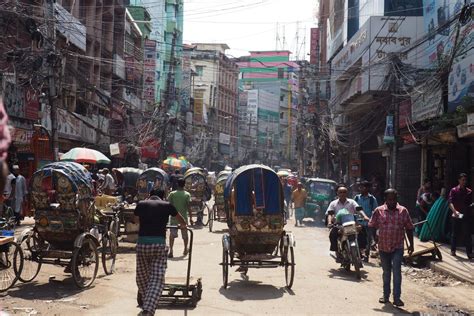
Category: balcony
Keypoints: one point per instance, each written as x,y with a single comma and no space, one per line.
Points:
119,66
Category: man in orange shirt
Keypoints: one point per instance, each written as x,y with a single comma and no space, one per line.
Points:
299,198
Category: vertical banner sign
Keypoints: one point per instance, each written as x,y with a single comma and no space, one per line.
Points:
389,136
149,64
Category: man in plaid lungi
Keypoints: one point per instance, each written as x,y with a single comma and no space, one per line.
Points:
152,251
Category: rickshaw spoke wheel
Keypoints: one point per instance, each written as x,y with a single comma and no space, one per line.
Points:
289,254
212,216
109,252
205,213
85,263
32,260
225,268
11,264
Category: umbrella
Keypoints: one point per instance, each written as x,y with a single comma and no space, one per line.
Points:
283,173
175,163
85,155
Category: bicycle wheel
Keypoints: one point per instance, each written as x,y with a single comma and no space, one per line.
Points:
109,252
85,263
11,265
32,261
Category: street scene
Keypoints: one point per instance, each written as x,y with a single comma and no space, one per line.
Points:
236,157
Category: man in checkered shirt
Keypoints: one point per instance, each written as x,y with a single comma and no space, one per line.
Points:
392,222
152,253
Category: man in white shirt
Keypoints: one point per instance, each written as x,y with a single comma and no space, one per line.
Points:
21,191
108,187
7,191
342,202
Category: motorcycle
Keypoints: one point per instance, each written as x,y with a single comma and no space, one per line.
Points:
347,244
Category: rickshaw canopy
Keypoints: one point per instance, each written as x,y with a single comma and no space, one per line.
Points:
128,176
260,180
74,172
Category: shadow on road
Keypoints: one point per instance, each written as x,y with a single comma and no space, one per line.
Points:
242,290
347,275
390,309
52,290
221,231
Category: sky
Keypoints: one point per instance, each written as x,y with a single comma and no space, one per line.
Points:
246,25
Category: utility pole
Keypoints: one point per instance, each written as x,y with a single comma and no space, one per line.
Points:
50,47
168,99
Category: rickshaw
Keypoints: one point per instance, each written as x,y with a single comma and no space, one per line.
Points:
218,210
320,193
196,184
127,180
151,178
68,230
253,198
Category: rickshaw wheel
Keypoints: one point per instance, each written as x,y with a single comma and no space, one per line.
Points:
85,263
225,268
289,266
11,264
32,261
109,252
211,217
205,214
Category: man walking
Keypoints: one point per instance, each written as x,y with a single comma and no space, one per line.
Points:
287,191
20,192
180,200
460,198
369,203
392,221
299,198
153,215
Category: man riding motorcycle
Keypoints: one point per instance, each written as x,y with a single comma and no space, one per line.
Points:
350,206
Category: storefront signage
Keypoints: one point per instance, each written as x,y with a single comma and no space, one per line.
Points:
426,105
150,149
224,139
389,136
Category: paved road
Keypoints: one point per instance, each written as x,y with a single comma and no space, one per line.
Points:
320,286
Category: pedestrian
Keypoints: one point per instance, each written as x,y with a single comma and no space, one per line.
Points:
287,191
342,202
460,198
392,222
108,186
174,179
180,200
299,197
7,190
369,203
424,199
20,192
152,215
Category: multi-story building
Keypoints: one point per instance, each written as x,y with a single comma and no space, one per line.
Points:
272,71
167,31
215,101
386,85
84,49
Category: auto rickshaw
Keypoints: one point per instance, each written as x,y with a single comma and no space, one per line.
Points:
253,198
127,180
218,211
320,193
68,230
196,184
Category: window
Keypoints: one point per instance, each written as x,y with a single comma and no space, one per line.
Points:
281,72
199,70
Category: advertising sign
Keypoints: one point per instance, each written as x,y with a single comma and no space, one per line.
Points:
149,65
224,139
426,105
